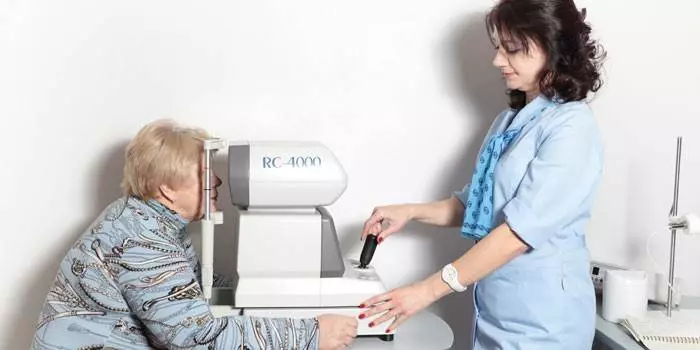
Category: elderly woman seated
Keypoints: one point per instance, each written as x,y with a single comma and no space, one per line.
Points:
132,280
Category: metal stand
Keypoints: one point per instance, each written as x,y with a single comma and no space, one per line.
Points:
210,218
674,212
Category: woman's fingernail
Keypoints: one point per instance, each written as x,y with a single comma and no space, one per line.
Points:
371,324
388,330
379,240
362,305
362,316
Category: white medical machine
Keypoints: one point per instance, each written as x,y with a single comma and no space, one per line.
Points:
289,262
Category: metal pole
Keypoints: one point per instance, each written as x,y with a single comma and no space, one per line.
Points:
674,212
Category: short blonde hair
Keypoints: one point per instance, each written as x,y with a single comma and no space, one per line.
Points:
162,153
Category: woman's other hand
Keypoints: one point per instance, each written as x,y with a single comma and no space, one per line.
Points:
394,217
398,304
336,332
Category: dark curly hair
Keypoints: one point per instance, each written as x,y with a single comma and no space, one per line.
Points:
559,29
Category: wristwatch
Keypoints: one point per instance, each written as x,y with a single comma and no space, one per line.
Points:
451,277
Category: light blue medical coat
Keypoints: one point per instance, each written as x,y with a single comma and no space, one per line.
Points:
544,187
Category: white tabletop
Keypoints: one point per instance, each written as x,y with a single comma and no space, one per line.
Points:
423,331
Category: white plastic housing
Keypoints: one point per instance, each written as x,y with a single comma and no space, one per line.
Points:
298,292
274,174
279,263
279,244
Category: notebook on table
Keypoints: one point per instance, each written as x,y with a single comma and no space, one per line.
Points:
657,331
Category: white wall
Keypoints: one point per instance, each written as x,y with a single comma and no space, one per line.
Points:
401,91
650,98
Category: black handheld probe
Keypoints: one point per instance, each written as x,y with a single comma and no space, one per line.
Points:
368,250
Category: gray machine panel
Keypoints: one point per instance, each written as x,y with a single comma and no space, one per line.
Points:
331,257
239,174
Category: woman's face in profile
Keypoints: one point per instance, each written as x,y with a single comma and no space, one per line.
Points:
519,68
190,194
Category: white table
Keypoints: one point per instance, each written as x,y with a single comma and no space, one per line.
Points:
423,331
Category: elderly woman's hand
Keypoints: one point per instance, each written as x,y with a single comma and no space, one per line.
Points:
336,332
400,304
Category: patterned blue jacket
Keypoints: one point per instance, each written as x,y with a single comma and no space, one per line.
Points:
132,282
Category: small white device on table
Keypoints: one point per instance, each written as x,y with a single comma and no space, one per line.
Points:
289,262
624,295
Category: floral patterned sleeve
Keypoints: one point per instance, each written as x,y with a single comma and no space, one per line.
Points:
218,281
159,280
161,288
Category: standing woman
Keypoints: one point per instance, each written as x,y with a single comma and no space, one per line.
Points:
530,196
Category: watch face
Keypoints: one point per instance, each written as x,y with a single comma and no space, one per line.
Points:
450,273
